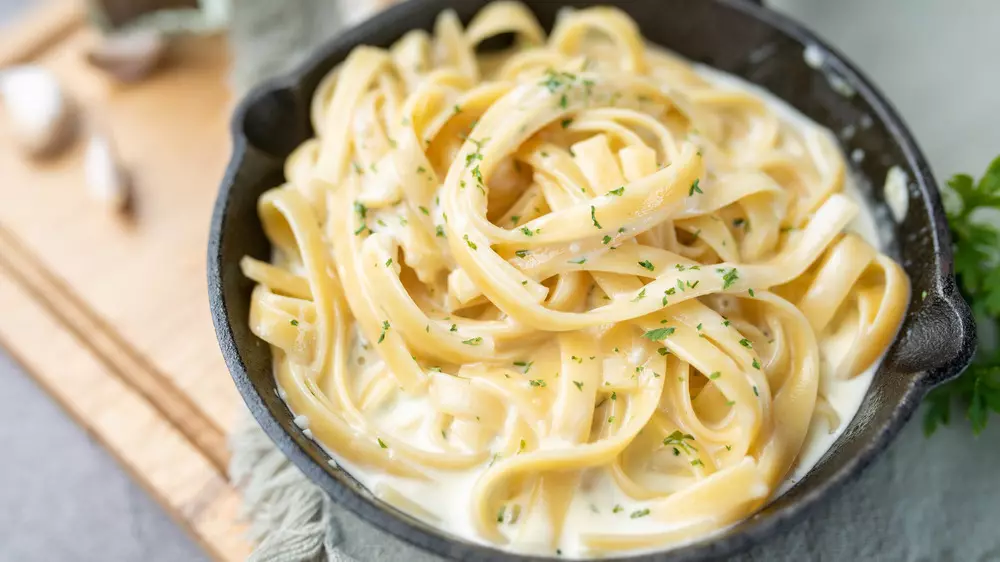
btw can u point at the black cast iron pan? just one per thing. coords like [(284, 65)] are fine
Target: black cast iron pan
[(935, 343)]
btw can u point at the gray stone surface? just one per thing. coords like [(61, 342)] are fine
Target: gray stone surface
[(63, 498)]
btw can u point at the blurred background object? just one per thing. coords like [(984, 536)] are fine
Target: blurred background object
[(166, 16), (66, 497)]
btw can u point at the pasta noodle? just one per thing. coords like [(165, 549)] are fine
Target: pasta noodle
[(576, 295)]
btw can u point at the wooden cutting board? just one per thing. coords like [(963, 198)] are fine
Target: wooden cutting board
[(110, 315)]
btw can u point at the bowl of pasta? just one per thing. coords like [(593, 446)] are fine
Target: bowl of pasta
[(636, 280)]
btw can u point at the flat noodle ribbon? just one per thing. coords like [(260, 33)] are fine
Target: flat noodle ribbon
[(569, 272)]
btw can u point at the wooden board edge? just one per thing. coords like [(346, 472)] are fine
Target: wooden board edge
[(171, 468), (102, 340)]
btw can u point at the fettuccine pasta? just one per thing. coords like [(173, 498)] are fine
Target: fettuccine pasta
[(574, 296)]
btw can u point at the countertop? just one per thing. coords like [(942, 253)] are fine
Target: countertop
[(64, 498)]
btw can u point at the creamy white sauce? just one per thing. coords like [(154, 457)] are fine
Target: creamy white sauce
[(598, 503)]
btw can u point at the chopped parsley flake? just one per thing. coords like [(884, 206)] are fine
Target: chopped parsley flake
[(515, 219), (694, 188), (640, 296), (385, 328), (593, 217), (477, 155), (715, 375), (647, 264), (679, 440), (756, 364), (729, 278), (746, 343), (521, 253), (606, 239), (527, 231), (469, 242), (618, 192), (473, 341), (579, 385), (294, 322), (617, 509), (579, 261), (639, 513), (537, 382), (381, 443), (555, 80), (659, 334), (566, 123)]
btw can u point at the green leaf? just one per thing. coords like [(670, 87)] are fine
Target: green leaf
[(990, 182), (938, 410), (977, 268), (977, 409)]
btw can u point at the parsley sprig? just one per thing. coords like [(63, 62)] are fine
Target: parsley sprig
[(977, 267)]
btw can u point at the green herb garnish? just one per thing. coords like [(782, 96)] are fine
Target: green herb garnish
[(593, 217), (694, 188), (659, 334), (729, 278), (975, 244)]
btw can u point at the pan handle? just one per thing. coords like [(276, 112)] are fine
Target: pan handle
[(941, 338)]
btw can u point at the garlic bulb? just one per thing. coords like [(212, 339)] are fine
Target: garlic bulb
[(131, 56), (41, 116), (107, 181)]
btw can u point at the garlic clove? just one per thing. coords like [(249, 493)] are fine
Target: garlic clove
[(42, 118), (107, 181), (131, 56)]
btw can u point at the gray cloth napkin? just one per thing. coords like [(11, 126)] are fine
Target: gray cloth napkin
[(924, 500)]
